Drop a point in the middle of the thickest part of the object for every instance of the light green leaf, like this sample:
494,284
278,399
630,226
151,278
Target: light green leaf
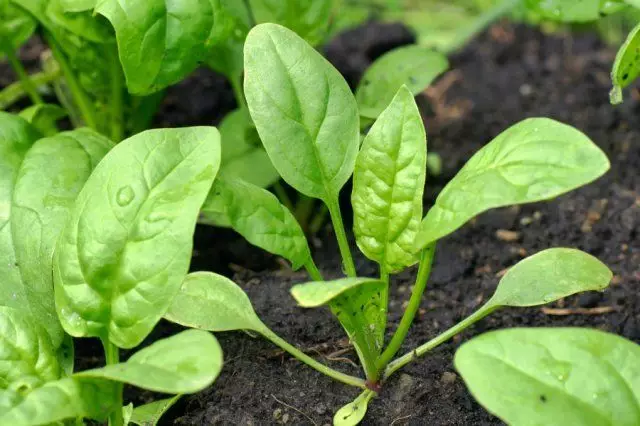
55,401
550,275
310,19
388,183
413,66
575,11
83,24
184,363
258,216
353,413
536,159
149,414
626,68
209,301
124,251
159,42
357,305
44,117
551,376
303,109
27,357
51,176
225,55
16,26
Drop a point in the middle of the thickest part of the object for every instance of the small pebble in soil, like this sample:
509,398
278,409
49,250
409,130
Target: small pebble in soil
448,378
321,409
507,236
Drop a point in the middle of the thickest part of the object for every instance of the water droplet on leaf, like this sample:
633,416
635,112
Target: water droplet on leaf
125,196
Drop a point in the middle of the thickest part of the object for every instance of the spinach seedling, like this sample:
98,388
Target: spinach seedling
94,241
626,67
308,121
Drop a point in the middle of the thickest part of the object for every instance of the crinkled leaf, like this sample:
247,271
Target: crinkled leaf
536,159
124,251
575,11
149,414
310,19
16,26
303,109
353,413
44,117
184,363
67,398
258,216
212,302
51,176
413,66
550,275
159,42
388,183
626,68
27,357
357,305
556,375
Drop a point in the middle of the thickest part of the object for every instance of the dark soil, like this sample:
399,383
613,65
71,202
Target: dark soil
508,74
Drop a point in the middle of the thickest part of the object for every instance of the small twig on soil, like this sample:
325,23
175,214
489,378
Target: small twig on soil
320,349
400,419
579,311
294,409
338,359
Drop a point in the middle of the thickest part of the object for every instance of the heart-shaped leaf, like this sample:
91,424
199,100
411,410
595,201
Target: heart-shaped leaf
556,375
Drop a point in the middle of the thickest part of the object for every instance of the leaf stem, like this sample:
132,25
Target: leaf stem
117,97
15,91
328,371
81,98
282,195
24,78
424,270
341,236
384,296
318,220
436,341
112,356
236,85
313,270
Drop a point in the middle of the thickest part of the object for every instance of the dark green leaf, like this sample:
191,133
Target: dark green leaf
554,376
16,26
185,363
575,11
413,66
536,159
127,245
303,109
44,117
83,24
388,183
626,68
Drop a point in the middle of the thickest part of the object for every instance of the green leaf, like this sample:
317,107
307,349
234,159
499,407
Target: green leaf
209,301
536,159
413,66
388,183
51,176
258,216
44,117
77,5
55,401
83,24
225,55
16,26
356,303
550,275
626,68
303,109
353,413
575,11
27,357
310,19
184,363
546,376
127,245
149,414
159,42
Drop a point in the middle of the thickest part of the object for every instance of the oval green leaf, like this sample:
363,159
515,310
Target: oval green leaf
319,293
258,216
413,66
388,183
209,301
303,109
159,42
550,275
185,363
68,398
536,159
353,413
575,11
557,375
125,250
626,68
51,176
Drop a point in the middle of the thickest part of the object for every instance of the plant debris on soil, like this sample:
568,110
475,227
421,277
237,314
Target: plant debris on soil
508,74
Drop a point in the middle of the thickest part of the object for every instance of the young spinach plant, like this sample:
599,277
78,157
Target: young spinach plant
94,241
308,121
